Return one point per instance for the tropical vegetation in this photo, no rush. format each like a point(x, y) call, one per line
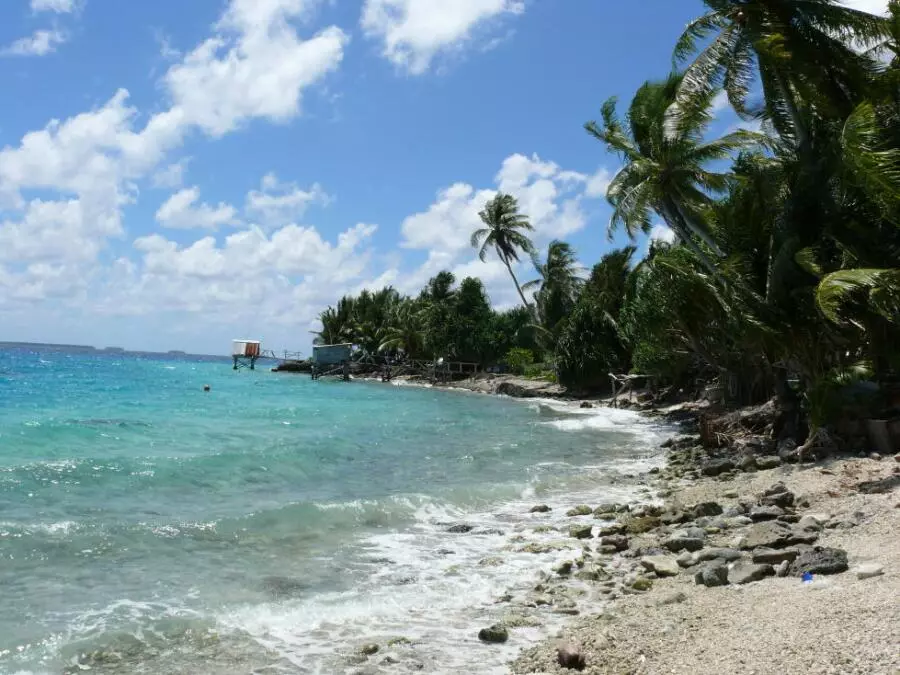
point(784, 275)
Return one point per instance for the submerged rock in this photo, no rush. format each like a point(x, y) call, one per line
point(496, 634)
point(582, 510)
point(460, 528)
point(581, 531)
point(540, 508)
point(369, 649)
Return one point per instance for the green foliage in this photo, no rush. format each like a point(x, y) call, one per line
point(519, 360)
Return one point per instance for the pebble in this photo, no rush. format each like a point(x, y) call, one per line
point(869, 570)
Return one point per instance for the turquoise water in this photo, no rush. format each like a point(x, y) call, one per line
point(272, 524)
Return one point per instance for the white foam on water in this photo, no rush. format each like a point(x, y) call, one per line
point(438, 588)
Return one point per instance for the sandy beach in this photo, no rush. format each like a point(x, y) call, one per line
point(756, 622)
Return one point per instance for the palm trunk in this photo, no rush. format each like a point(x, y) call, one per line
point(672, 215)
point(515, 281)
point(800, 134)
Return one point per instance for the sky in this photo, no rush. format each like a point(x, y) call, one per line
point(177, 174)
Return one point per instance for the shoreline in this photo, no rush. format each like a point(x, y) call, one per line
point(698, 585)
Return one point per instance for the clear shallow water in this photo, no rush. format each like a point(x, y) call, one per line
point(273, 524)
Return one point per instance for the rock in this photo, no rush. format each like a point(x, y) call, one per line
point(607, 549)
point(690, 539)
point(564, 568)
point(644, 510)
point(641, 525)
point(580, 531)
point(686, 559)
point(771, 556)
point(777, 495)
point(496, 633)
point(739, 521)
point(569, 656)
point(869, 570)
point(717, 467)
point(787, 450)
point(582, 510)
point(642, 584)
point(790, 518)
point(879, 487)
point(607, 509)
point(747, 462)
point(761, 513)
point(706, 509)
point(674, 517)
point(746, 572)
point(875, 457)
point(445, 551)
point(672, 599)
point(663, 565)
point(461, 528)
point(712, 574)
point(540, 508)
point(820, 560)
point(727, 554)
point(731, 494)
point(586, 404)
point(810, 524)
point(619, 541)
point(615, 528)
point(768, 462)
point(782, 569)
point(774, 534)
point(369, 649)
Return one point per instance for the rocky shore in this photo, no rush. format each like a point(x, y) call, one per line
point(747, 566)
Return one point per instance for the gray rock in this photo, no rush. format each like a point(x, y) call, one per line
point(607, 509)
point(771, 556)
point(569, 656)
point(739, 521)
point(717, 467)
point(540, 508)
point(761, 513)
point(768, 462)
point(564, 569)
point(607, 549)
point(662, 565)
point(746, 572)
point(582, 510)
point(810, 524)
point(869, 570)
point(820, 560)
point(461, 528)
point(727, 554)
point(712, 574)
point(686, 559)
point(774, 534)
point(706, 509)
point(879, 487)
point(777, 495)
point(672, 599)
point(619, 541)
point(581, 531)
point(782, 569)
point(674, 517)
point(369, 649)
point(615, 528)
point(496, 633)
point(747, 462)
point(683, 543)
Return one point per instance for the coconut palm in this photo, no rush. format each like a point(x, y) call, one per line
point(666, 166)
point(801, 51)
point(558, 285)
point(504, 232)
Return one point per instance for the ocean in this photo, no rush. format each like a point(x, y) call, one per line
point(275, 524)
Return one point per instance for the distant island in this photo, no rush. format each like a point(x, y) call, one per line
point(88, 349)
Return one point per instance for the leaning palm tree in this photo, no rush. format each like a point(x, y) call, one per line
point(504, 232)
point(666, 165)
point(560, 279)
point(799, 50)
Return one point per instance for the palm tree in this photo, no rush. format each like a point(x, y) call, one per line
point(666, 165)
point(800, 50)
point(504, 233)
point(559, 283)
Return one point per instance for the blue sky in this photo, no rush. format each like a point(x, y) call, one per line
point(175, 174)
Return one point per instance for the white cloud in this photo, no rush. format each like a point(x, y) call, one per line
point(661, 232)
point(720, 103)
point(182, 211)
point(277, 203)
point(255, 66)
point(39, 43)
point(871, 6)
point(598, 183)
point(58, 6)
point(414, 32)
point(171, 176)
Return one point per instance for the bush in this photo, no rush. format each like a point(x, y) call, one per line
point(518, 360)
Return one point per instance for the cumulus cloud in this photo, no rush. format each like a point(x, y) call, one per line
point(871, 6)
point(414, 32)
point(39, 43)
point(277, 203)
point(183, 210)
point(662, 233)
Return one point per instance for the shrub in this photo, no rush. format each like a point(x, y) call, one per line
point(519, 359)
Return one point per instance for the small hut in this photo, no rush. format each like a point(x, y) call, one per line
point(245, 353)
